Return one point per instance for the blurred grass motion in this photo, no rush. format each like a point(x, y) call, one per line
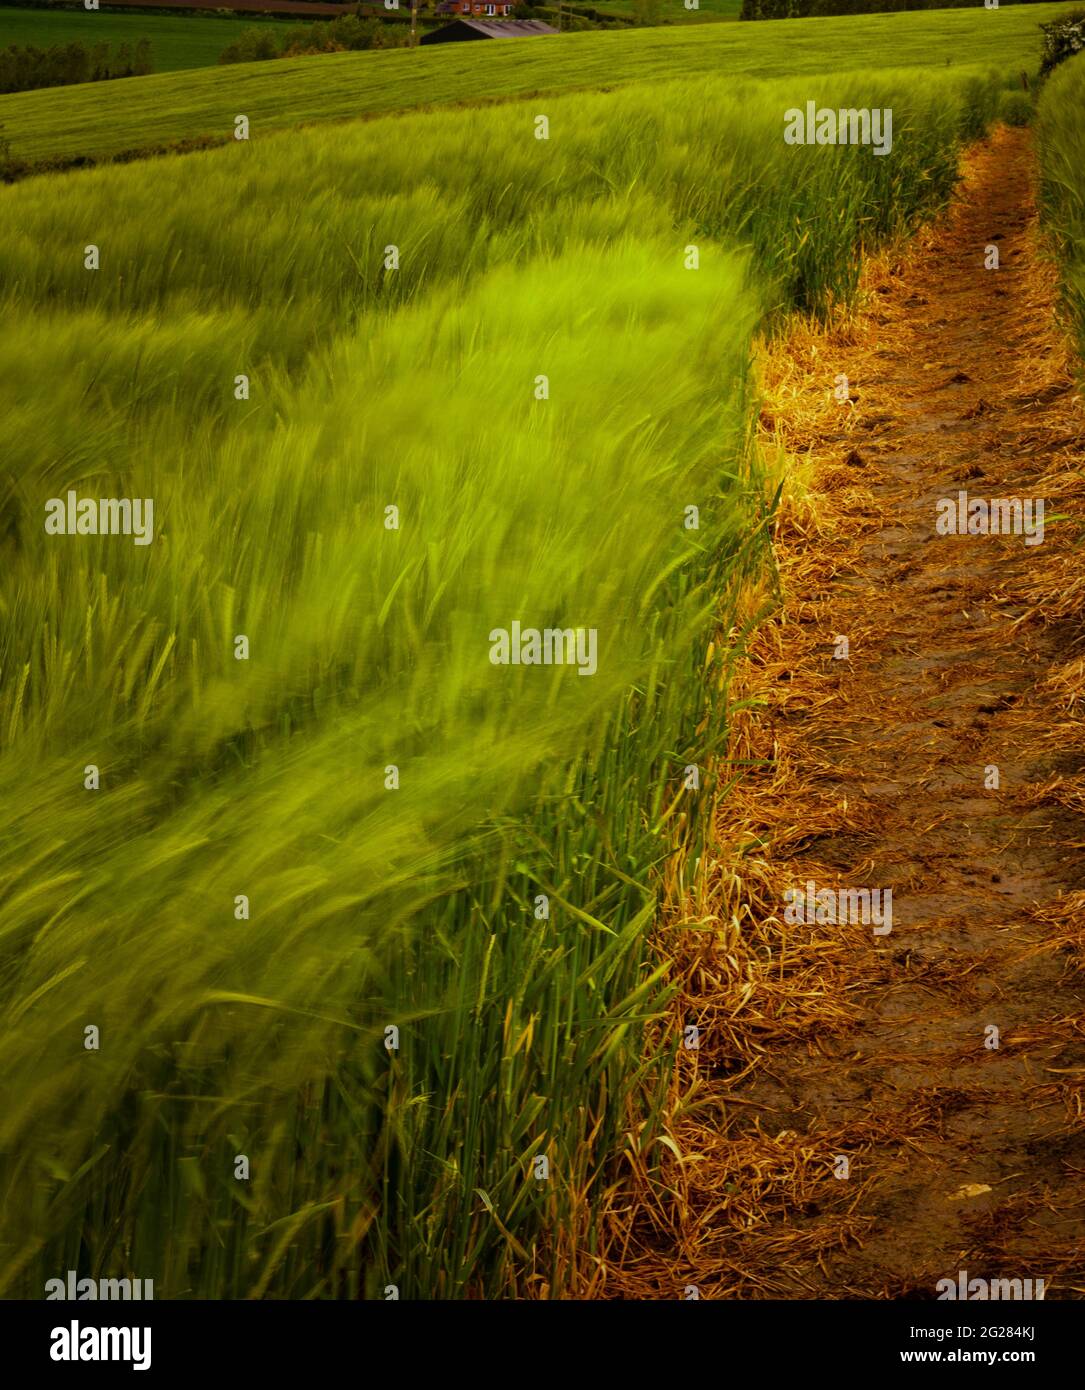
point(295, 237)
point(1060, 139)
point(371, 907)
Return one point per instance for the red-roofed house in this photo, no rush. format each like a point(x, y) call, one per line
point(478, 9)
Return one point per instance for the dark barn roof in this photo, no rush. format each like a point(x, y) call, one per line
point(461, 29)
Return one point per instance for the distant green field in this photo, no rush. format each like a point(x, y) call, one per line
point(670, 11)
point(179, 41)
point(104, 119)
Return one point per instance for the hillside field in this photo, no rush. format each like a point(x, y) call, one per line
point(183, 42)
point(97, 121)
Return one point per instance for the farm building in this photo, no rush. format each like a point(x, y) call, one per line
point(464, 29)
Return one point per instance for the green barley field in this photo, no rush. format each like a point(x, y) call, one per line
point(321, 929)
point(1061, 139)
point(98, 121)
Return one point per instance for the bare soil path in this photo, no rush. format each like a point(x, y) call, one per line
point(822, 1041)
